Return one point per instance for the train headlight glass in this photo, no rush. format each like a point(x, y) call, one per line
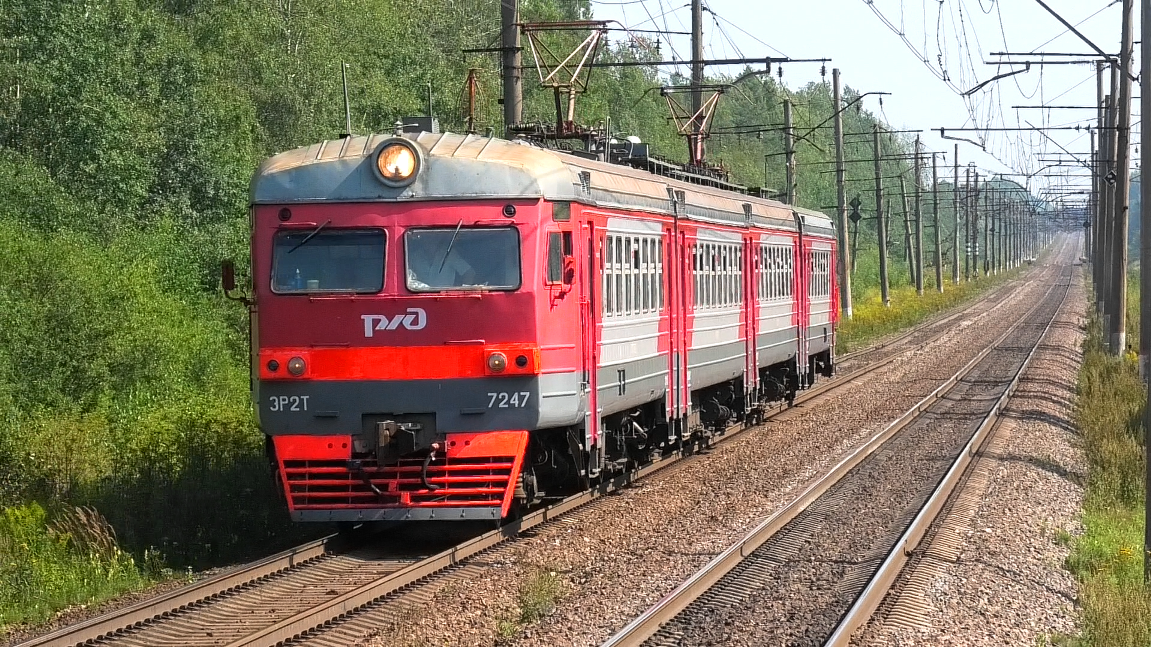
point(497, 362)
point(296, 366)
point(397, 163)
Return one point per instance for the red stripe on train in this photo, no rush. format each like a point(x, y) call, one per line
point(400, 362)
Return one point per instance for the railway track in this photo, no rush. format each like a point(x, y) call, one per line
point(285, 596)
point(815, 571)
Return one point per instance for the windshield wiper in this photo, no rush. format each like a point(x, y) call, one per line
point(311, 235)
point(450, 243)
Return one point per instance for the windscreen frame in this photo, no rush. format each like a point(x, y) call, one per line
point(460, 229)
point(276, 259)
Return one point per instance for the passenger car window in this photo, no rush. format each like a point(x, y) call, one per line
point(328, 260)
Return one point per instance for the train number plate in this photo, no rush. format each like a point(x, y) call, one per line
point(288, 403)
point(505, 400)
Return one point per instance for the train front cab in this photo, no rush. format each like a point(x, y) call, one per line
point(400, 362)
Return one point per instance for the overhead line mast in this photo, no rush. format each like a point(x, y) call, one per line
point(695, 143)
point(512, 63)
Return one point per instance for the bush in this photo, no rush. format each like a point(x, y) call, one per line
point(118, 391)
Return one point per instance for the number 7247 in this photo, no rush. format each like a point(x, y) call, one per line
point(505, 400)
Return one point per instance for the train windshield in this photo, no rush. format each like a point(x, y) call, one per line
point(462, 258)
point(328, 260)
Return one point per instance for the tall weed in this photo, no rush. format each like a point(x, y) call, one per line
point(1108, 558)
point(49, 564)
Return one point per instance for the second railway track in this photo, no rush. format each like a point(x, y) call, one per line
point(282, 597)
point(812, 573)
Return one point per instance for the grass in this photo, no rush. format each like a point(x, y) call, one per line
point(71, 558)
point(872, 320)
point(537, 597)
point(1108, 559)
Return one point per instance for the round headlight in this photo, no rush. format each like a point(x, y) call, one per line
point(497, 362)
point(296, 366)
point(397, 163)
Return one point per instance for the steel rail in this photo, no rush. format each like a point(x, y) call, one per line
point(300, 624)
point(116, 622)
point(186, 596)
point(884, 578)
point(650, 621)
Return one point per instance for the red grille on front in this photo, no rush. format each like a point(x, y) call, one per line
point(328, 484)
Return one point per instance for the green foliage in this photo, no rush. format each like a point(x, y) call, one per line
point(872, 320)
point(1109, 418)
point(1108, 558)
point(47, 565)
point(128, 134)
point(539, 594)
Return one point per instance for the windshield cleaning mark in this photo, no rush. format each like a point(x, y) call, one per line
point(450, 243)
point(314, 232)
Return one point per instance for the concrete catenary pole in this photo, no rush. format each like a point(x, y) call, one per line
point(975, 226)
point(994, 221)
point(845, 257)
point(1105, 193)
point(987, 232)
point(967, 226)
point(789, 149)
point(1092, 209)
point(1145, 262)
point(1109, 197)
point(918, 222)
point(1000, 230)
point(1013, 234)
point(907, 255)
point(1100, 153)
point(696, 72)
point(882, 222)
point(1102, 167)
point(955, 219)
point(1118, 333)
point(510, 50)
point(935, 222)
point(1013, 248)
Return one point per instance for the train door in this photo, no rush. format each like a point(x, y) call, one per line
point(802, 304)
point(669, 309)
point(750, 315)
point(589, 324)
point(681, 277)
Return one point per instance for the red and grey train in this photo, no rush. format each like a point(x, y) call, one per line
point(447, 325)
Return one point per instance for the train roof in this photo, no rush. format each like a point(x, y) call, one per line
point(468, 167)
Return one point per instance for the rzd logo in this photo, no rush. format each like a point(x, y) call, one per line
point(415, 319)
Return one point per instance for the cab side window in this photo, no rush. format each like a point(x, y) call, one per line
point(555, 257)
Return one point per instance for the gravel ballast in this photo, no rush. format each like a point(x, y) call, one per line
point(793, 589)
point(1003, 583)
point(577, 580)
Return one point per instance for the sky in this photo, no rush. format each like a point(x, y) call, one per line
point(880, 46)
